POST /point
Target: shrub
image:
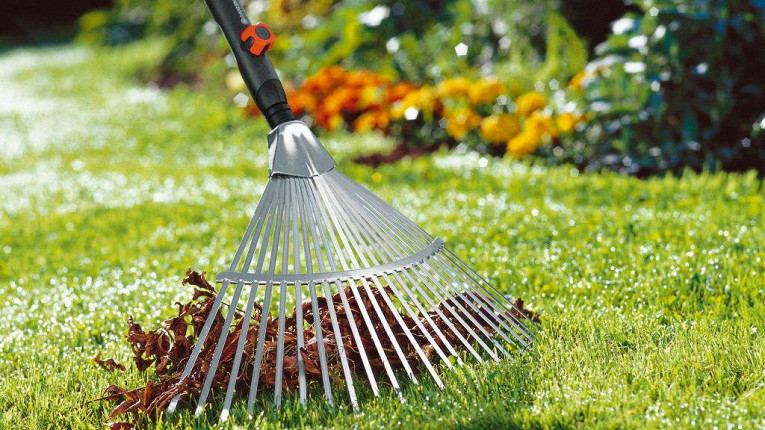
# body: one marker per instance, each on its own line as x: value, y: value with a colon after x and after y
x: 525, y: 42
x: 680, y: 86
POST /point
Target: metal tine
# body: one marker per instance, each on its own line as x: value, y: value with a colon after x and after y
x: 480, y: 310
x: 301, y: 201
x: 356, y: 238
x: 427, y: 317
x: 262, y: 328
x: 393, y: 229
x: 416, y: 285
x: 350, y: 233
x: 235, y: 368
x: 499, y: 298
x: 485, y: 312
x: 367, y: 196
x: 387, y: 254
x: 425, y: 242
x: 504, y: 318
x: 317, y: 221
x: 299, y: 339
x: 416, y: 282
x: 439, y: 287
x: 371, y: 231
x: 354, y: 290
x: 485, y: 304
x: 311, y: 217
x: 218, y: 350
x: 423, y: 236
x: 221, y: 343
x: 288, y: 208
x: 487, y: 300
x: 458, y: 317
x: 320, y: 212
x: 263, y: 206
x: 341, y: 224
x: 245, y: 326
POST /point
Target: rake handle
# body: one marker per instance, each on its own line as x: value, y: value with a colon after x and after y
x: 249, y: 44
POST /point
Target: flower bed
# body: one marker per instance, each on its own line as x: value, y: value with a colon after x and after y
x: 482, y: 113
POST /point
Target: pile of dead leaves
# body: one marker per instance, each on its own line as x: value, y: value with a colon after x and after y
x: 168, y: 348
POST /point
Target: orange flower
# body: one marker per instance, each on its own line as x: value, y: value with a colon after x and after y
x: 363, y: 78
x: 374, y: 119
x: 460, y: 122
x: 343, y: 99
x: 530, y: 102
x: 324, y: 80
x: 300, y: 101
x: 499, y: 128
x: 399, y: 90
x: 486, y: 91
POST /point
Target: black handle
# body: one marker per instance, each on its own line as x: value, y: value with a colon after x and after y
x: 258, y: 73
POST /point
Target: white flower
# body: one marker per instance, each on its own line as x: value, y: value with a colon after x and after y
x: 375, y: 17
x: 634, y: 67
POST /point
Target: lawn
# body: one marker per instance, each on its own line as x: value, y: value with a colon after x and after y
x: 652, y: 292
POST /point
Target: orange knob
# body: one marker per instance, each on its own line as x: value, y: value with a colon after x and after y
x: 262, y: 38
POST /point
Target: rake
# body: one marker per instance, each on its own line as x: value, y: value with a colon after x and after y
x: 317, y: 234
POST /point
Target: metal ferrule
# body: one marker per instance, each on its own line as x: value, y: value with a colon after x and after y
x: 293, y: 150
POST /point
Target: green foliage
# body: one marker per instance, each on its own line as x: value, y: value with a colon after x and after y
x: 652, y: 315
x: 525, y: 42
x: 680, y: 86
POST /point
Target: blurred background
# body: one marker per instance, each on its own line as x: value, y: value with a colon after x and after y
x: 642, y: 87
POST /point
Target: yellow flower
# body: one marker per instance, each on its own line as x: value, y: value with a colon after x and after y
x: 423, y: 99
x: 523, y: 144
x: 371, y: 96
x: 94, y: 19
x: 577, y: 82
x: 234, y: 81
x: 500, y: 128
x: 486, y: 91
x: 455, y: 87
x: 566, y: 122
x: 530, y: 102
x: 334, y: 122
x: 461, y: 121
x: 541, y: 125
x: 372, y: 119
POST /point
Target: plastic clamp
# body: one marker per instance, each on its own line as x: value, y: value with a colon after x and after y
x: 262, y: 38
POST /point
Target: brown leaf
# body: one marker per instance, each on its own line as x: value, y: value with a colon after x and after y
x: 520, y: 310
x: 109, y: 364
x: 120, y: 426
x: 168, y: 348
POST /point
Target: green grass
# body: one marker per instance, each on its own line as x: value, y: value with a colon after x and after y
x: 652, y: 291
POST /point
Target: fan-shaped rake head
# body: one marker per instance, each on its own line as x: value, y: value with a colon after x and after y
x: 381, y: 295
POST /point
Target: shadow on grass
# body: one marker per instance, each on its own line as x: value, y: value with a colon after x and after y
x: 476, y: 395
